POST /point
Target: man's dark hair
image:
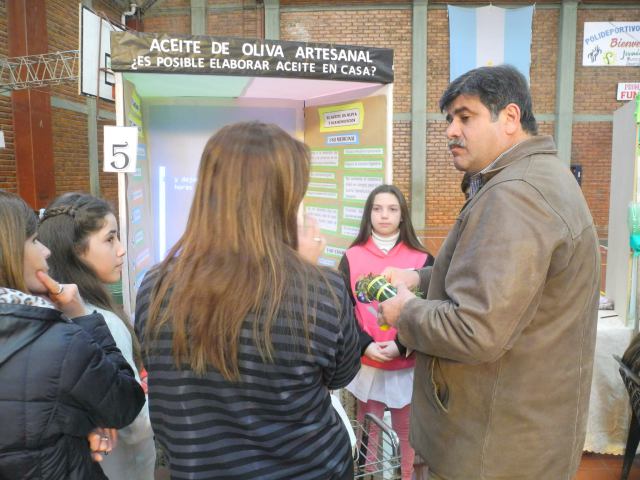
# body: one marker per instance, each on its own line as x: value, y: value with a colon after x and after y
x: 496, y: 87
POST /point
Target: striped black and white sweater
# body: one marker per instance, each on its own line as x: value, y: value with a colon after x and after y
x: 277, y: 422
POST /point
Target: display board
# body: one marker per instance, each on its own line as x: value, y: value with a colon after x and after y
x: 348, y: 151
x: 178, y: 131
x: 140, y: 240
x: 336, y: 98
x: 624, y: 154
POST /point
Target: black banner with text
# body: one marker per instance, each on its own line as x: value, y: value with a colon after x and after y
x: 165, y: 53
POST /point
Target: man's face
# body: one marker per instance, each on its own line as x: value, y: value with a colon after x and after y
x: 475, y: 140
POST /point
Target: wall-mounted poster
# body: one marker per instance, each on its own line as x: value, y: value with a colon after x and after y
x: 139, y: 226
x: 611, y: 44
x: 347, y: 143
x: 627, y: 91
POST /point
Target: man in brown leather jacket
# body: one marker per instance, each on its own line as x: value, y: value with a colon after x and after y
x: 506, y: 335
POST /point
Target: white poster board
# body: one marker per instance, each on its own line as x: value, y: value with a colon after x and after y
x: 627, y: 91
x: 120, y: 148
x: 611, y: 44
x: 95, y: 55
x: 623, y: 158
x: 186, y: 96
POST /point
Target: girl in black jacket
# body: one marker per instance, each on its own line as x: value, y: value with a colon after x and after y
x: 60, y: 378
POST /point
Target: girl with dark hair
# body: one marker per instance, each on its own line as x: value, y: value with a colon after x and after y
x: 243, y: 336
x: 60, y: 378
x: 386, y: 239
x: 82, y: 233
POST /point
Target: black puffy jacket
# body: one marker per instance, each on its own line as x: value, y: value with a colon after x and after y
x: 59, y: 379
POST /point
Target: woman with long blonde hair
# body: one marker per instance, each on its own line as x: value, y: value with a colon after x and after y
x: 242, y: 336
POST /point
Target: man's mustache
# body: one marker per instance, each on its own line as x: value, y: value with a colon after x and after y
x: 455, y: 143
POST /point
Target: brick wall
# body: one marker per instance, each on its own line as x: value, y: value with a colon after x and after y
x: 503, y: 3
x: 168, y: 23
x: 354, y: 3
x: 70, y: 131
x: 370, y: 23
x: 437, y: 57
x: 168, y: 16
x: 592, y: 150
x: 444, y: 197
x: 4, y: 42
x: 544, y: 59
x: 7, y: 154
x: 233, y: 19
x: 372, y: 28
x: 596, y: 87
x: 70, y: 143
x: 62, y: 31
x: 384, y: 28
x: 595, y: 90
x: 595, y: 94
x: 108, y: 180
x: 70, y: 150
x: 239, y: 22
x: 402, y: 158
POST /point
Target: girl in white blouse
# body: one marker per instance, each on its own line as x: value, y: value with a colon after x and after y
x: 82, y: 233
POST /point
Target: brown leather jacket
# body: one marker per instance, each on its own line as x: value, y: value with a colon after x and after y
x: 506, y: 335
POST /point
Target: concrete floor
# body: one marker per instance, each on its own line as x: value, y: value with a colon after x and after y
x: 592, y: 467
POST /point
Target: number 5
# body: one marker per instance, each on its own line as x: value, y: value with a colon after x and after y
x: 120, y: 149
x: 114, y: 153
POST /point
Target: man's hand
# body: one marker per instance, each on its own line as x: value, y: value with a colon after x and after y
x: 401, y: 275
x: 389, y: 310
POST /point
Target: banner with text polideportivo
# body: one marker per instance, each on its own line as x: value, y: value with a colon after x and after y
x: 486, y: 36
x: 165, y: 53
x: 611, y: 44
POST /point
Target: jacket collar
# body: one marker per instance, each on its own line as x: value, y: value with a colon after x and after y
x: 532, y: 145
x: 373, y: 248
x: 9, y: 295
x: 21, y: 324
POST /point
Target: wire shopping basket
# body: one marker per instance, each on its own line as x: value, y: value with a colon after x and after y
x: 379, y: 461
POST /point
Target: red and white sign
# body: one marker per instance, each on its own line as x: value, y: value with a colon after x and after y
x: 628, y: 91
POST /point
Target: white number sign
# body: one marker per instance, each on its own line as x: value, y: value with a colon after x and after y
x: 120, y: 149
